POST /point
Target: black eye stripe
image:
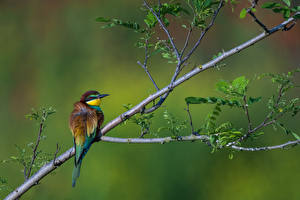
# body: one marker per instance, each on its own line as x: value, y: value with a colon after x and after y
x: 89, y: 98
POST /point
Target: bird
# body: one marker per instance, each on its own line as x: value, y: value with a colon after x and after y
x: 85, y: 122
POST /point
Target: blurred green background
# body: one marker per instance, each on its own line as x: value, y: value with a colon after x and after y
x: 53, y: 51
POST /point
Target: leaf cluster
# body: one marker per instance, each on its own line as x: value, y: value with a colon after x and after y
x: 235, y: 96
x: 175, y: 126
x: 201, y: 11
x: 280, y: 104
x: 4, y: 187
x: 172, y: 8
x: 40, y: 115
x: 25, y: 154
x: 284, y: 7
x: 24, y: 157
x: 142, y: 120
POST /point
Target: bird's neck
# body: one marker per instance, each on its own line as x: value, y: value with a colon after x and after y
x: 96, y: 108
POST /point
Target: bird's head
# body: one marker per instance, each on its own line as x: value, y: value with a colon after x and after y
x: 92, y: 98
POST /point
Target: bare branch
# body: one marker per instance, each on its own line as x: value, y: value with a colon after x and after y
x: 55, y: 154
x: 249, y: 11
x: 247, y: 113
x: 190, y: 117
x: 34, y: 153
x: 257, y: 20
x: 205, y: 31
x: 186, y: 42
x: 144, y: 66
x: 281, y: 146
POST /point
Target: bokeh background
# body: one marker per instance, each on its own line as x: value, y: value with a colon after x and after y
x: 52, y: 51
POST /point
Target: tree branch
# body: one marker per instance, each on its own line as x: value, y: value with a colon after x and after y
x: 186, y: 42
x: 49, y: 167
x: 34, y: 153
x: 144, y: 66
x: 247, y: 113
x: 281, y: 146
x: 165, y: 29
x: 249, y: 11
x: 204, y: 32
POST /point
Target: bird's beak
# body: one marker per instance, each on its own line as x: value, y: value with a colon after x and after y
x: 102, y: 95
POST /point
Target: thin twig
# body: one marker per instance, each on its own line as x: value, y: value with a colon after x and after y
x: 249, y: 10
x: 265, y: 122
x: 34, y: 153
x: 205, y: 31
x: 186, y: 42
x: 165, y: 29
x: 144, y: 66
x: 281, y: 146
x: 247, y: 113
x: 55, y: 154
x: 191, y: 120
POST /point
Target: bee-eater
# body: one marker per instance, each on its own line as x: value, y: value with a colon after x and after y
x: 85, y: 122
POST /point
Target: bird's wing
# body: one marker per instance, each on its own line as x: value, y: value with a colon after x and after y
x: 83, y: 123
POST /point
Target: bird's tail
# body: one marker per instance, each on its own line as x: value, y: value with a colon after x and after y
x: 76, y: 173
x: 80, y: 152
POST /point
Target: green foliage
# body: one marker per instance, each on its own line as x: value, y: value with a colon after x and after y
x: 236, y: 88
x: 24, y: 157
x: 117, y: 22
x: 213, y: 100
x: 142, y: 120
x: 243, y: 13
x: 287, y: 130
x: 284, y: 8
x: 202, y: 10
x: 175, y: 126
x: 4, y: 187
x: 174, y: 9
x: 25, y: 154
x: 164, y: 48
x: 40, y: 115
x: 278, y: 104
x: 235, y: 93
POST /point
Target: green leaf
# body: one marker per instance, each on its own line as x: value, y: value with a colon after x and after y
x: 240, y: 84
x: 117, y: 22
x: 296, y: 8
x: 296, y: 136
x: 230, y: 156
x: 297, y: 16
x: 278, y: 10
x: 286, y: 13
x: 166, y: 8
x: 270, y: 5
x: 195, y: 100
x: 222, y: 86
x: 243, y: 13
x: 287, y: 2
x: 102, y: 19
x: 252, y: 100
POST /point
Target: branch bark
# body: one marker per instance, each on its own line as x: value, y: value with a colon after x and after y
x: 52, y: 165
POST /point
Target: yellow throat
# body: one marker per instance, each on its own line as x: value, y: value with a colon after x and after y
x: 94, y: 102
